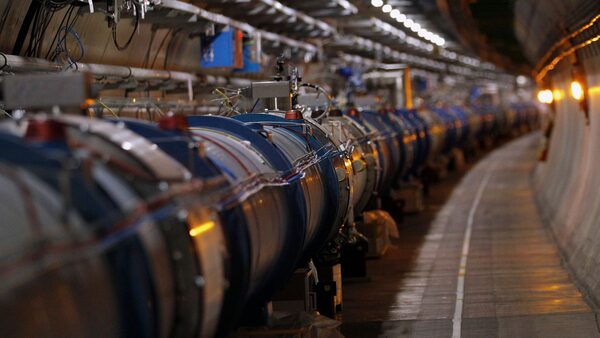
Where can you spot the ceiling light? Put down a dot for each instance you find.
(557, 94)
(408, 23)
(577, 90)
(386, 8)
(415, 28)
(545, 96)
(401, 18)
(394, 13)
(377, 3)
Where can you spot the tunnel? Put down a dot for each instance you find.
(315, 169)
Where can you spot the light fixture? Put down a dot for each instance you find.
(394, 13)
(401, 18)
(376, 3)
(415, 27)
(438, 40)
(386, 8)
(577, 90)
(408, 23)
(558, 94)
(521, 80)
(545, 96)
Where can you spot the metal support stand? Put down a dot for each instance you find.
(329, 290)
(258, 316)
(411, 195)
(354, 258)
(299, 294)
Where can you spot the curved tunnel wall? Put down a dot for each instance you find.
(567, 183)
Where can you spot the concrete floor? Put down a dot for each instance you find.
(514, 283)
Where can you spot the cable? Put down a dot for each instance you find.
(67, 21)
(130, 39)
(42, 17)
(320, 90)
(61, 47)
(24, 30)
(5, 113)
(170, 46)
(160, 46)
(55, 5)
(35, 28)
(107, 108)
(147, 56)
(4, 17)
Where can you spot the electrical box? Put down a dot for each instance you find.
(222, 50)
(42, 91)
(251, 54)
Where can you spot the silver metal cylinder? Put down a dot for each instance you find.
(265, 209)
(363, 157)
(437, 134)
(48, 288)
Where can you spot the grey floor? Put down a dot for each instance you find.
(514, 283)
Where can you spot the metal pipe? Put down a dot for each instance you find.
(16, 63)
(25, 64)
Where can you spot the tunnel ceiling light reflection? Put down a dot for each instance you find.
(409, 23)
(377, 3)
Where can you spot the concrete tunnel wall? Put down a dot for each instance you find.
(567, 184)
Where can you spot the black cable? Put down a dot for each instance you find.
(160, 46)
(62, 47)
(67, 21)
(170, 46)
(56, 5)
(42, 18)
(42, 33)
(5, 15)
(135, 29)
(34, 29)
(147, 56)
(27, 21)
(254, 106)
(57, 31)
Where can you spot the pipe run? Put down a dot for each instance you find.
(16, 63)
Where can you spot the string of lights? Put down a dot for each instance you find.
(409, 23)
(577, 88)
(550, 66)
(566, 39)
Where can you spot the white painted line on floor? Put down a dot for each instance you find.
(460, 287)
